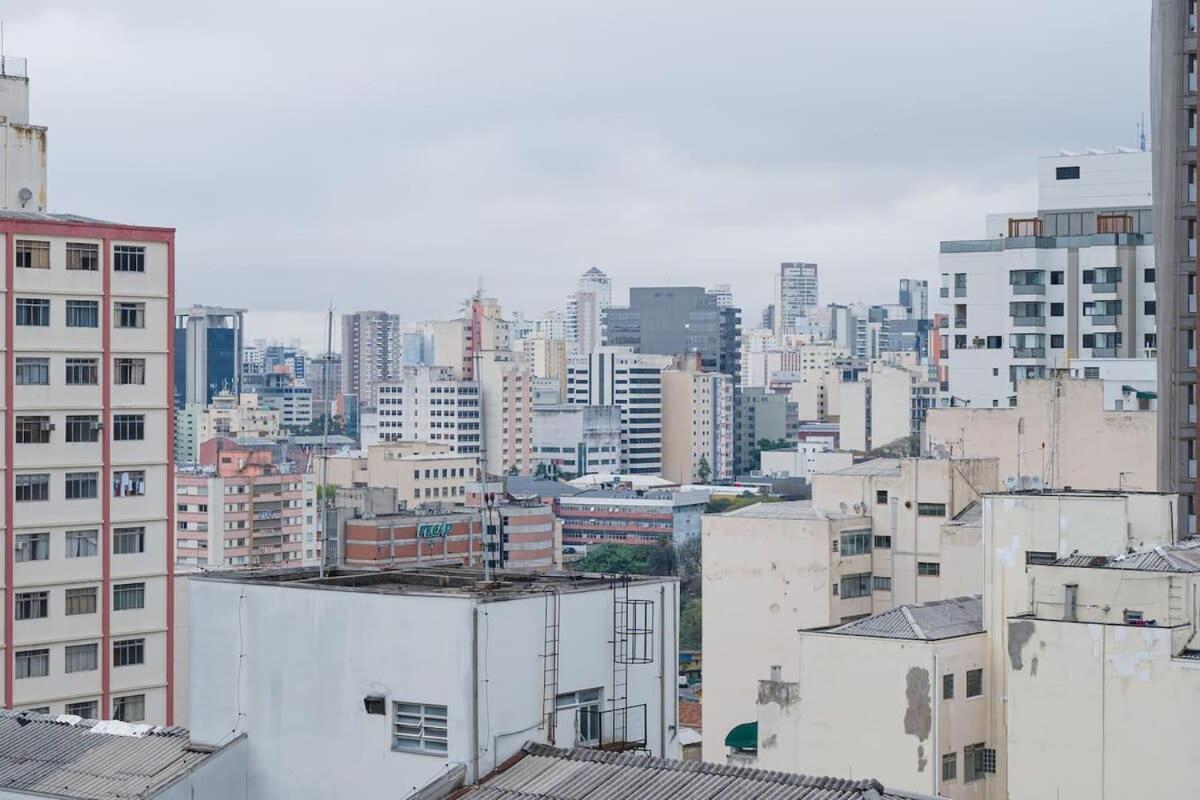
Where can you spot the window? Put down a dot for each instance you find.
(1057, 309)
(130, 708)
(881, 496)
(978, 761)
(31, 488)
(882, 584)
(83, 485)
(129, 371)
(127, 596)
(995, 342)
(82, 372)
(129, 427)
(129, 258)
(33, 311)
(856, 585)
(83, 256)
(1040, 557)
(1149, 308)
(1089, 276)
(584, 705)
(1056, 277)
(1066, 173)
(421, 728)
(31, 255)
(129, 540)
(974, 682)
(127, 652)
(81, 601)
(949, 766)
(1056, 341)
(929, 568)
(82, 544)
(130, 483)
(931, 509)
(83, 428)
(856, 543)
(1148, 275)
(1089, 340)
(33, 372)
(32, 546)
(883, 542)
(83, 314)
(948, 686)
(88, 709)
(960, 341)
(129, 315)
(33, 430)
(32, 605)
(1133, 617)
(83, 658)
(32, 663)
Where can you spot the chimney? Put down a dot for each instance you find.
(1070, 601)
(776, 673)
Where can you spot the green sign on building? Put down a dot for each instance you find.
(434, 530)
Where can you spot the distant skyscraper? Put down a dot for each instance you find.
(208, 347)
(723, 294)
(585, 310)
(914, 296)
(371, 352)
(678, 320)
(795, 293)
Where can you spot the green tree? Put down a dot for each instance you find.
(691, 626)
(621, 559)
(703, 470)
(327, 492)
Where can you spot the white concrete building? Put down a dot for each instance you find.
(372, 349)
(506, 393)
(577, 440)
(1077, 279)
(466, 675)
(795, 294)
(427, 404)
(228, 415)
(1130, 384)
(585, 311)
(808, 459)
(23, 145)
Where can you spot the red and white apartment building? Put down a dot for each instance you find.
(86, 457)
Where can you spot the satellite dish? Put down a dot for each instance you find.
(25, 195)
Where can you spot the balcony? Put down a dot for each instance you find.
(615, 730)
(960, 323)
(1104, 288)
(1029, 288)
(1029, 322)
(944, 291)
(960, 291)
(1029, 352)
(1104, 352)
(1103, 319)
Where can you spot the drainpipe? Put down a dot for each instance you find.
(935, 690)
(474, 777)
(662, 671)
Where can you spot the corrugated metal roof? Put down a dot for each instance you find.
(876, 466)
(939, 619)
(794, 509)
(1182, 557)
(39, 754)
(548, 773)
(42, 216)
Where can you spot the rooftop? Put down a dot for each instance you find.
(1182, 557)
(522, 485)
(795, 509)
(933, 621)
(18, 215)
(636, 494)
(64, 756)
(876, 466)
(442, 580)
(552, 774)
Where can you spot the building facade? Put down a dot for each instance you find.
(429, 404)
(372, 351)
(616, 376)
(795, 293)
(209, 343)
(697, 434)
(573, 440)
(678, 320)
(637, 517)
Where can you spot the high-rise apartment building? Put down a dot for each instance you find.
(371, 352)
(429, 404)
(616, 376)
(1075, 279)
(324, 377)
(678, 320)
(506, 386)
(208, 342)
(914, 297)
(795, 294)
(697, 432)
(585, 310)
(1173, 96)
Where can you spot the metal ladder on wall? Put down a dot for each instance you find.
(620, 666)
(550, 663)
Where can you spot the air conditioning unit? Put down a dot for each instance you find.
(96, 426)
(47, 426)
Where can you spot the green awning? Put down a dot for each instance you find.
(1138, 393)
(743, 737)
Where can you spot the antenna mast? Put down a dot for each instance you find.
(325, 434)
(1142, 133)
(485, 502)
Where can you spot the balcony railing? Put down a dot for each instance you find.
(1104, 288)
(617, 729)
(1029, 288)
(944, 291)
(1028, 322)
(960, 322)
(1029, 352)
(1104, 319)
(1104, 352)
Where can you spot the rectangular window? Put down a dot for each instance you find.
(128, 652)
(29, 254)
(32, 605)
(948, 686)
(83, 428)
(81, 601)
(856, 543)
(129, 427)
(1066, 173)
(129, 258)
(931, 509)
(33, 311)
(129, 540)
(1089, 340)
(950, 766)
(33, 430)
(129, 315)
(883, 542)
(32, 546)
(83, 485)
(127, 596)
(83, 658)
(856, 585)
(881, 496)
(1089, 276)
(83, 544)
(33, 488)
(1056, 341)
(83, 314)
(130, 708)
(83, 371)
(131, 483)
(882, 584)
(83, 256)
(32, 663)
(1040, 556)
(420, 728)
(974, 682)
(929, 568)
(33, 372)
(995, 342)
(87, 709)
(1150, 308)
(1148, 275)
(1056, 277)
(1058, 309)
(129, 371)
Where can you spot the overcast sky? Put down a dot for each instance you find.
(387, 154)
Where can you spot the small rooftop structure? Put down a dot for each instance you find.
(68, 757)
(634, 481)
(553, 774)
(933, 621)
